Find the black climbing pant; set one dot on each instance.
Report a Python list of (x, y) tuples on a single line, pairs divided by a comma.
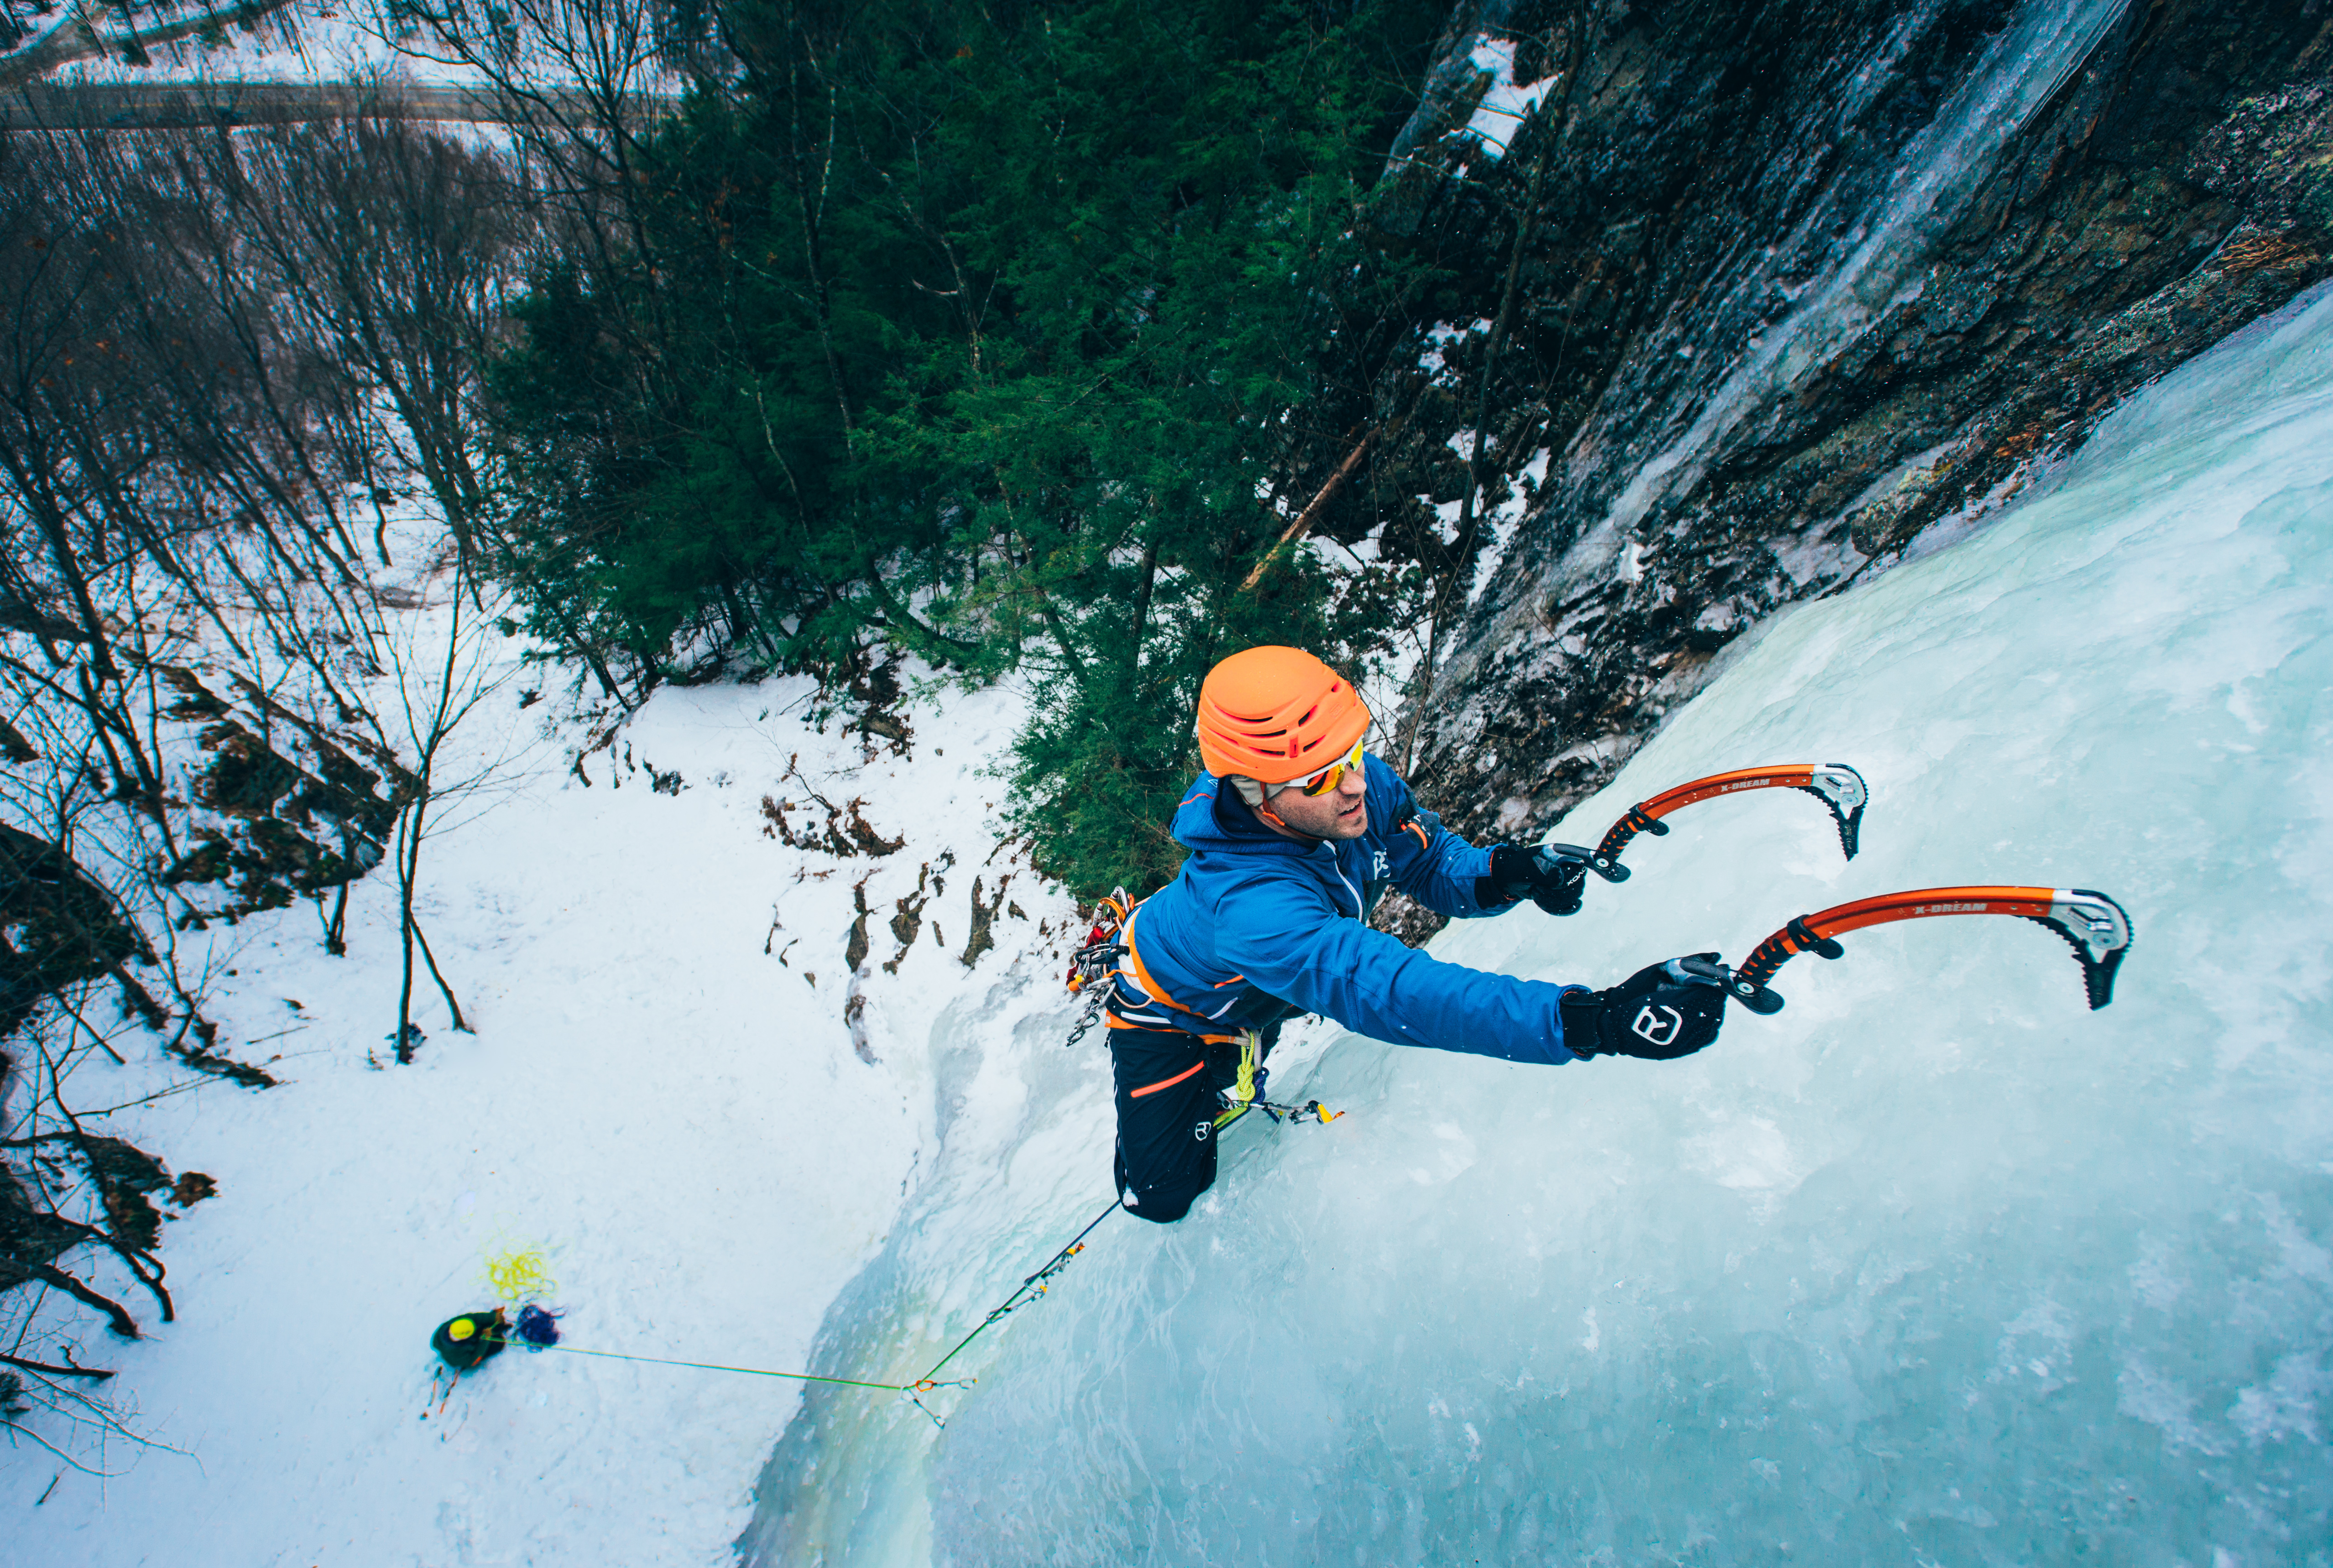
[(1168, 1084)]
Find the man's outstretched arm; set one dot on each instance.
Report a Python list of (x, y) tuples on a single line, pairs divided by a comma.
[(1286, 939)]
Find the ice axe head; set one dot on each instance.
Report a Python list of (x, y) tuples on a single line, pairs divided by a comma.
[(1604, 865), (1709, 971)]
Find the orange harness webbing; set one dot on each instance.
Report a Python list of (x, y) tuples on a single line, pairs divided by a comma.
[(1136, 971), (1166, 1082)]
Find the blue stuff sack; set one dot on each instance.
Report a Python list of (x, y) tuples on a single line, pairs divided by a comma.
[(537, 1328)]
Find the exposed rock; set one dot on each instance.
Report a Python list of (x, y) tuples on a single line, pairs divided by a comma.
[(862, 832), (1398, 914), (58, 927), (890, 726), (208, 861), (983, 920), (846, 832), (854, 1018), (195, 700), (1803, 281), (303, 814), (125, 1175), (907, 919), (31, 1236), (245, 778), (854, 947)]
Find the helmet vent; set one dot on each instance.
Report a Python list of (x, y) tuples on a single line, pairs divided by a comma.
[(1263, 711)]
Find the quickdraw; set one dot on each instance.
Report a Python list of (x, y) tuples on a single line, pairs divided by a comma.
[(1241, 1098), (1097, 959), (1088, 1016), (2096, 928), (1837, 786), (1310, 1111), (1029, 1290)]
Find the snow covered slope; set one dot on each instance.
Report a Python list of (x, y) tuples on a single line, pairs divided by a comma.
[(664, 1094), (1934, 1265)]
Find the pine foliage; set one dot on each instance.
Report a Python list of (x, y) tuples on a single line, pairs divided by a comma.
[(1003, 335)]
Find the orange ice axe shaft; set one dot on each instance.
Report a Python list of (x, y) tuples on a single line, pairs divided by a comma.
[(1837, 786), (2094, 925)]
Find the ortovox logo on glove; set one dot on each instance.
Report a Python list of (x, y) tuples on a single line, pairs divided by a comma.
[(1655, 1029)]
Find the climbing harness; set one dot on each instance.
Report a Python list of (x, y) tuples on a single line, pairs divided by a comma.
[(2096, 928), (1837, 786)]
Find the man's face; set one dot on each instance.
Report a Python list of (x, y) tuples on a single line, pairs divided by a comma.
[(1343, 813)]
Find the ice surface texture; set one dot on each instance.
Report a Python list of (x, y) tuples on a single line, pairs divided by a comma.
[(1935, 1265)]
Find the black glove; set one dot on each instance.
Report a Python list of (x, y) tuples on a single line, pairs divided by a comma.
[(1660, 1013), (1547, 879)]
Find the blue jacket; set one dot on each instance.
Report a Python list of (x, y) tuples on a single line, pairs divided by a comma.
[(1257, 927)]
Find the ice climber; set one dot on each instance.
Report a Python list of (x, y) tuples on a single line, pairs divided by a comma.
[(1295, 832)]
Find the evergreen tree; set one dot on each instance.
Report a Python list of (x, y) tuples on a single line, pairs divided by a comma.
[(1003, 335)]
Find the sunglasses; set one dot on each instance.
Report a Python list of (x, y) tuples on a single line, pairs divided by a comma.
[(1326, 779)]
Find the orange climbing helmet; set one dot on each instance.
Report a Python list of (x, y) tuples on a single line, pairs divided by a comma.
[(1274, 714)]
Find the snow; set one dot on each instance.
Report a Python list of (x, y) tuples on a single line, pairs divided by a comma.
[(306, 40), (1935, 1265), (1506, 102), (679, 1122), (1506, 520)]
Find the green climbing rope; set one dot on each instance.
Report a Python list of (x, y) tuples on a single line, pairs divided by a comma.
[(1029, 1290), (1022, 1297), (715, 1366)]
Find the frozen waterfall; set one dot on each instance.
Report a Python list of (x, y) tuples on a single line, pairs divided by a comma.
[(1934, 1265)]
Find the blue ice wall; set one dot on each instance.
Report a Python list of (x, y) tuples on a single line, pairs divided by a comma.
[(1934, 1265)]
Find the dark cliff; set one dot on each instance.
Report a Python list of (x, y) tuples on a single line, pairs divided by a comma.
[(1795, 283)]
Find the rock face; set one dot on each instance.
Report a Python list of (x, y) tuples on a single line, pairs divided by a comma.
[(1798, 281)]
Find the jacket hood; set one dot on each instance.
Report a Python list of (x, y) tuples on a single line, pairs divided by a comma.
[(1213, 817)]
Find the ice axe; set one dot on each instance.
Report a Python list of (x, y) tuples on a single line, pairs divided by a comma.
[(2096, 928), (1837, 786)]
